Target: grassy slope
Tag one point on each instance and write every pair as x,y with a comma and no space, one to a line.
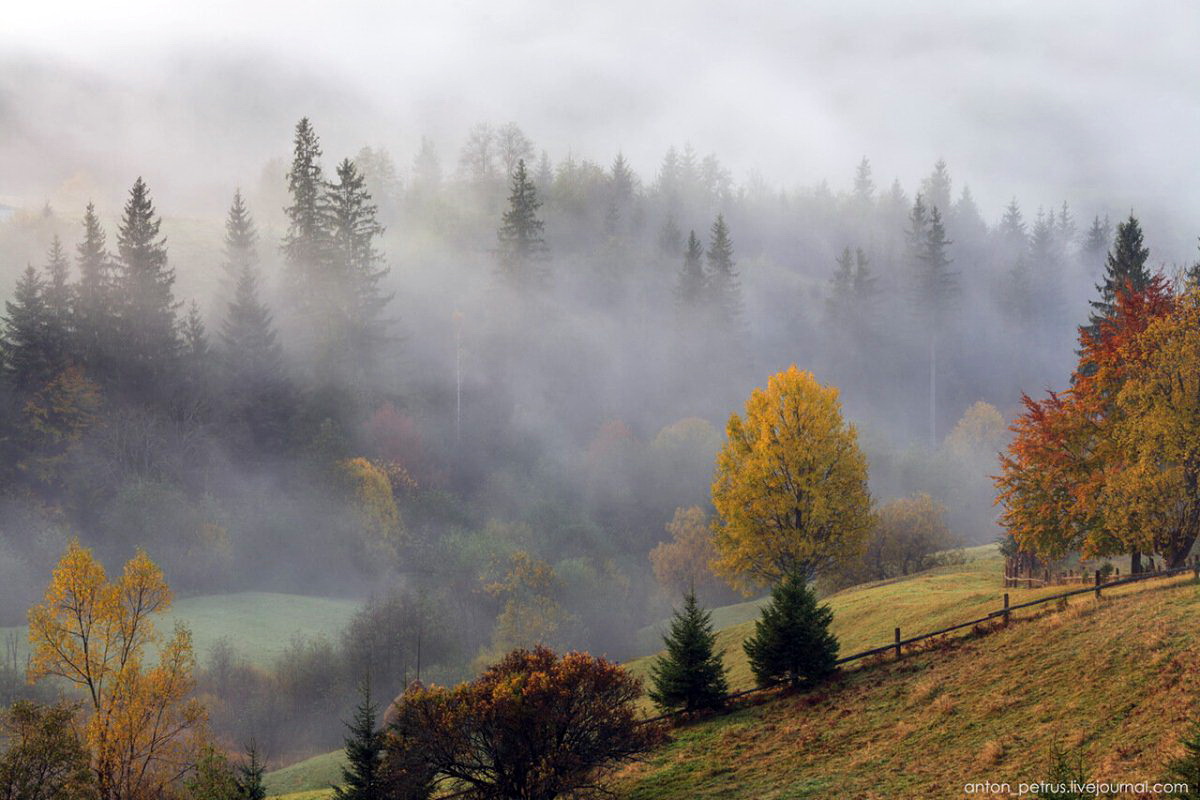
866,616
258,625
310,775
1116,678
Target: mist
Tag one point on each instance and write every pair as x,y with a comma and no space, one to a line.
563,422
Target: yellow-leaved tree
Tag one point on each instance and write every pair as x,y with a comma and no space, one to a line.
142,728
1151,498
380,526
791,485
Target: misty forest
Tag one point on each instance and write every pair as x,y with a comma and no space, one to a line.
486,395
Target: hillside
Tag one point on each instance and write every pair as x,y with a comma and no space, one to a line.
258,625
1116,678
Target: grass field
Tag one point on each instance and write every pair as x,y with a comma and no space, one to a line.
259,625
313,775
866,616
1115,679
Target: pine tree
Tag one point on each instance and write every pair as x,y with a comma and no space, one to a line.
936,188
791,639
1186,768
59,312
362,777
690,675
934,287
724,288
691,285
1097,242
95,313
1125,269
27,360
840,304
250,775
148,343
522,249
358,272
306,244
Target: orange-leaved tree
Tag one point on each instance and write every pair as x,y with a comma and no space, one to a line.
142,727
1058,476
791,485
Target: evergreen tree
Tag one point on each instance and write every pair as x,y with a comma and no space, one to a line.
306,244
250,775
1186,768
59,322
934,286
791,639
258,395
1097,242
1125,269
724,288
95,313
670,238
27,359
840,304
864,282
864,186
241,246
522,249
691,285
690,675
149,343
358,271
427,170
936,188
362,777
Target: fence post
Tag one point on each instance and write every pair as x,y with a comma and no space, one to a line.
897,643
1097,583
1006,608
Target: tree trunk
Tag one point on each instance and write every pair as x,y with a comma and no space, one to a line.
1135,562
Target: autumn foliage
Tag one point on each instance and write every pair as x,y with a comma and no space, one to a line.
1112,464
791,485
95,633
535,726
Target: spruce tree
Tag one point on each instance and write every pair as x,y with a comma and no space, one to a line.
241,246
690,675
1097,242
864,187
59,322
934,287
305,245
362,777
840,303
27,359
95,314
791,639
522,246
936,188
670,238
250,775
148,345
691,284
356,272
1125,270
724,288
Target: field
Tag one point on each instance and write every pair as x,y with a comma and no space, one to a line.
258,625
1116,680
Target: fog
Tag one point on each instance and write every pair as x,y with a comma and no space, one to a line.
487,419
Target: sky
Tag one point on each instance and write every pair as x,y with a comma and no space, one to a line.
1097,103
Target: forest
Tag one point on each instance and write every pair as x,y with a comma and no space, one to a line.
483,395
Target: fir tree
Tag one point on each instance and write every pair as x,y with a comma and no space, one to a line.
1125,270
690,675
670,238
27,360
59,322
305,246
791,639
357,264
936,188
1097,242
840,305
241,246
362,777
250,775
522,249
724,288
864,186
95,315
690,286
149,341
